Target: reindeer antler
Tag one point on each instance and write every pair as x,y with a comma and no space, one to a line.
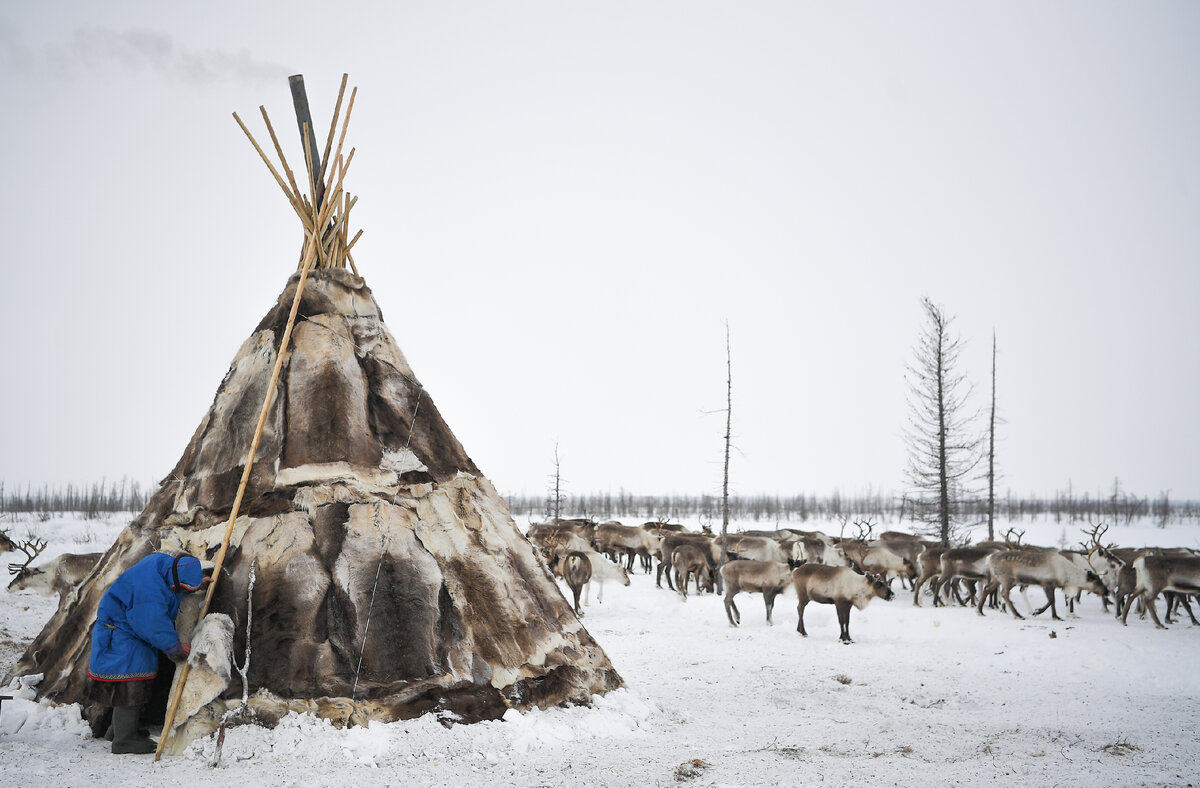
32,549
865,527
1008,536
1093,545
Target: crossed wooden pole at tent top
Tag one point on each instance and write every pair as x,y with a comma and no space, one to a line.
325,246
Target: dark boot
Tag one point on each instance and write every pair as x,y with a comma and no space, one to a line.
127,739
108,734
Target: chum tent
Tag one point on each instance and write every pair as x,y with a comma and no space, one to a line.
390,580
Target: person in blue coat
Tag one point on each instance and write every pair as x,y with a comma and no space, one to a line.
135,622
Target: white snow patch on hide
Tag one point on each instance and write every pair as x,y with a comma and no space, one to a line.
401,461
212,653
374,479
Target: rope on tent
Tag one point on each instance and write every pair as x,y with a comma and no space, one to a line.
413,423
370,607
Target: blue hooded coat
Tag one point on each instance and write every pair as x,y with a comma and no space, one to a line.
136,617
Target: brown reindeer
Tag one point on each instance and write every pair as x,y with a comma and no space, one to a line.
690,561
929,570
768,577
625,542
966,563
576,569
667,547
839,586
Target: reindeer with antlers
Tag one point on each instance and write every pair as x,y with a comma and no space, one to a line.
875,557
32,548
60,575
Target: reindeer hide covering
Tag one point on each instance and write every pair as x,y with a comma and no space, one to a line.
391,580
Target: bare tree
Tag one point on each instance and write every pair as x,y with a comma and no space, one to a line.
943,450
991,452
555,499
728,436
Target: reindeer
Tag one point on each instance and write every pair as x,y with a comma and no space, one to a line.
1100,559
909,547
585,528
57,576
561,541
576,569
756,548
964,562
874,556
603,570
929,570
625,541
7,545
689,560
1049,569
1158,572
768,577
817,548
839,586
667,546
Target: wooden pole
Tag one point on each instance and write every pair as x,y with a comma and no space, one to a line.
304,121
337,108
237,501
295,199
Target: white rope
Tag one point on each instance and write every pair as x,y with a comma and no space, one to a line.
367,628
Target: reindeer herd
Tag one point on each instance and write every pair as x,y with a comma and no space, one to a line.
850,571
844,571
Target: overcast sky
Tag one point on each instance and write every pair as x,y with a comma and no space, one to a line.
563,204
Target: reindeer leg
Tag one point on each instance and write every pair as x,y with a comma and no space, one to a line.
1149,603
955,593
843,614
1006,593
731,611
991,586
1048,606
1053,608
1128,603
1183,600
800,613
917,592
769,601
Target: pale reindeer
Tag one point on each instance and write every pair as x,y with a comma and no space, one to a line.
1157,573
839,586
60,575
769,578
1049,569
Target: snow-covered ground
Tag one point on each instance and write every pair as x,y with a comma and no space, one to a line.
923,697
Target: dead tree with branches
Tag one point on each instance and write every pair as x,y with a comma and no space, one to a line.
943,448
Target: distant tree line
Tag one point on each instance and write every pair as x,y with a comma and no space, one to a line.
91,501
1120,508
